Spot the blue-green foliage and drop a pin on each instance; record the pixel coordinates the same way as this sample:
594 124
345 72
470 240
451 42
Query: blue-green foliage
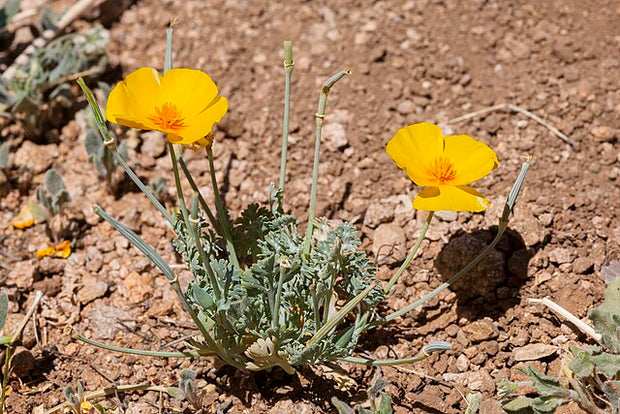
270 247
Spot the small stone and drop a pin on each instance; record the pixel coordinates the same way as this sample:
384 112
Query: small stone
446 215
603 133
405 107
137 287
153 144
36 158
378 213
335 136
481 330
23 273
533 352
104 321
560 256
462 363
91 289
480 381
583 265
389 244
518 263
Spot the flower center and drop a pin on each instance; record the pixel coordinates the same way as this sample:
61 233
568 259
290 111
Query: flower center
441 171
168 118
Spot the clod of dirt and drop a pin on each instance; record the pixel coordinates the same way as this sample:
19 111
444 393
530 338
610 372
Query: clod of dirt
91 290
484 278
104 321
378 213
481 330
389 244
533 352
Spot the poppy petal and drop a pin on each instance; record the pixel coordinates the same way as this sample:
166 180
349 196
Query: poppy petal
454 198
415 148
471 159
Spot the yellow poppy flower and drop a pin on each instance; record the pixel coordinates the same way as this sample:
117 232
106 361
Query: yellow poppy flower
443 164
183 103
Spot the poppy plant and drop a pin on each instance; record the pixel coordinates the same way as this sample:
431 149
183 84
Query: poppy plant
444 165
183 103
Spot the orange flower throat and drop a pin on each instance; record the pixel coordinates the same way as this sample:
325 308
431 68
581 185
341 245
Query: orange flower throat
441 171
168 118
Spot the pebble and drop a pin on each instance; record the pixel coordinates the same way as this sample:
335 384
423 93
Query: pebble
378 213
583 265
405 107
481 330
153 144
446 215
36 158
389 244
91 289
462 363
560 255
603 133
104 321
533 352
335 136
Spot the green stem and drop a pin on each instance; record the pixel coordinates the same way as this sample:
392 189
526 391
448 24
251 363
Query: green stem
194 231
288 70
203 202
224 224
411 254
457 276
276 307
339 316
5 375
320 118
437 346
501 228
161 354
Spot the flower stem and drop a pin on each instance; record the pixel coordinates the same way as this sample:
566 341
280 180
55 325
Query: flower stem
143 352
221 212
275 316
410 256
320 118
437 346
501 228
201 199
288 70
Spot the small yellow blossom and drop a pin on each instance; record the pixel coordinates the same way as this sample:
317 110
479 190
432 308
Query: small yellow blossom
62 250
183 103
444 165
24 219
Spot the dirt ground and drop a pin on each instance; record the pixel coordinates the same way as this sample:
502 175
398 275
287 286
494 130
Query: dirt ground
411 61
